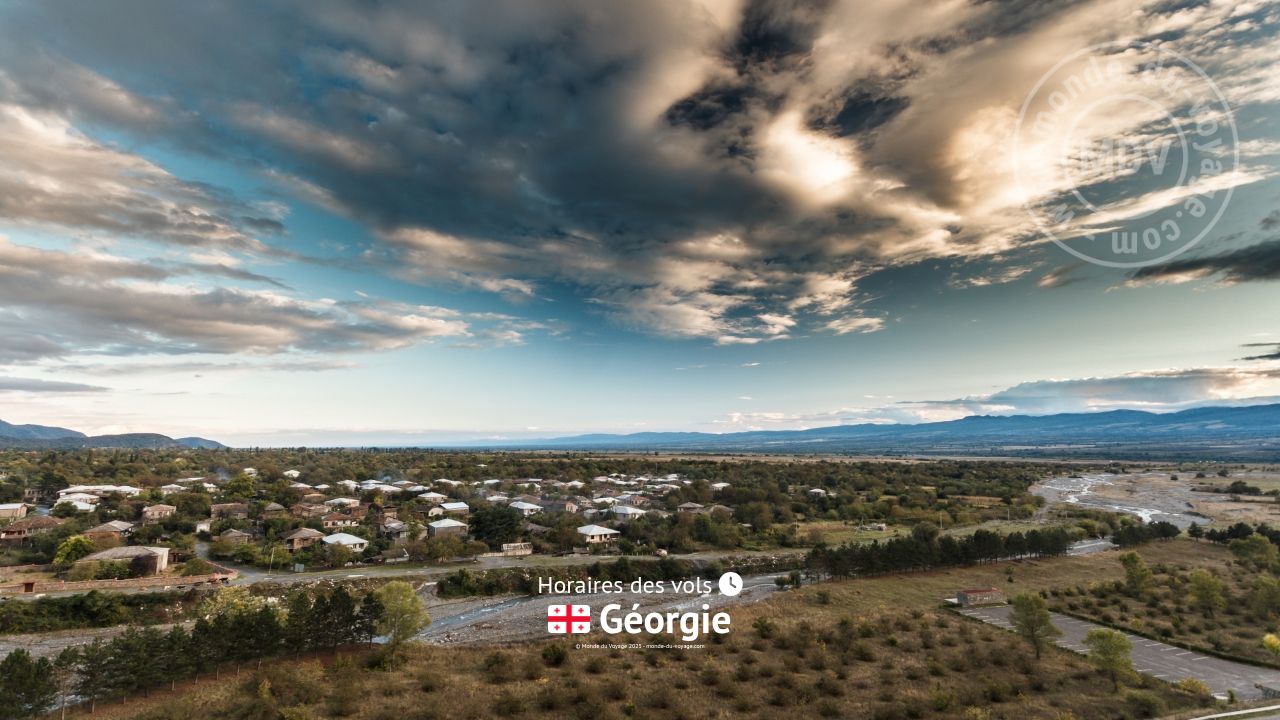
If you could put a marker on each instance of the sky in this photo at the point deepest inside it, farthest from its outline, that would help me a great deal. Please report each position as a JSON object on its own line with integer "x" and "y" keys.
{"x": 376, "y": 223}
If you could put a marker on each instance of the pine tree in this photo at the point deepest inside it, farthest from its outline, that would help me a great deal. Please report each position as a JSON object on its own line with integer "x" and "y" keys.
{"x": 27, "y": 686}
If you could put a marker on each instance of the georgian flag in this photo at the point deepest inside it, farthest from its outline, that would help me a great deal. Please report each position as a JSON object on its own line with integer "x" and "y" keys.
{"x": 564, "y": 619}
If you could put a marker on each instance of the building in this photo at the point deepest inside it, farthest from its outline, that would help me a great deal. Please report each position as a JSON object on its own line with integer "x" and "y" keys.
{"x": 154, "y": 513}
{"x": 100, "y": 490}
{"x": 145, "y": 560}
{"x": 307, "y": 511}
{"x": 116, "y": 530}
{"x": 455, "y": 508}
{"x": 231, "y": 536}
{"x": 561, "y": 506}
{"x": 447, "y": 526}
{"x": 526, "y": 508}
{"x": 21, "y": 530}
{"x": 171, "y": 488}
{"x": 274, "y": 510}
{"x": 595, "y": 534}
{"x": 337, "y": 520}
{"x": 689, "y": 507}
{"x": 13, "y": 511}
{"x": 355, "y": 544}
{"x": 980, "y": 596}
{"x": 626, "y": 513}
{"x": 230, "y": 510}
{"x": 302, "y": 538}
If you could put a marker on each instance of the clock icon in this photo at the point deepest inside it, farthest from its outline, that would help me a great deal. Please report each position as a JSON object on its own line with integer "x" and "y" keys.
{"x": 730, "y": 584}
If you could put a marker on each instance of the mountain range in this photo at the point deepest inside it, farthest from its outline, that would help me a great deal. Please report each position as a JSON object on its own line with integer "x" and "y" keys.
{"x": 40, "y": 437}
{"x": 1210, "y": 433}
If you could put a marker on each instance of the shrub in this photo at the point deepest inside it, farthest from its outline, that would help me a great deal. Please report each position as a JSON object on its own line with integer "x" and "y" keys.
{"x": 554, "y": 655}
{"x": 1145, "y": 703}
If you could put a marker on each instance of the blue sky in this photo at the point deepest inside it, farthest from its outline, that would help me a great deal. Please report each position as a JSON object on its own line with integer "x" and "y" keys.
{"x": 339, "y": 223}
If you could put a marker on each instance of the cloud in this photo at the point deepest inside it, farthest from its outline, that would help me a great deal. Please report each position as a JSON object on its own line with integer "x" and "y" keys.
{"x": 33, "y": 385}
{"x": 1252, "y": 263}
{"x": 59, "y": 303}
{"x": 1156, "y": 391}
{"x": 696, "y": 169}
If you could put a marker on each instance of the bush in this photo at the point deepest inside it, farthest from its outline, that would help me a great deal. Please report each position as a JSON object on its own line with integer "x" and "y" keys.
{"x": 765, "y": 627}
{"x": 1145, "y": 703}
{"x": 554, "y": 655}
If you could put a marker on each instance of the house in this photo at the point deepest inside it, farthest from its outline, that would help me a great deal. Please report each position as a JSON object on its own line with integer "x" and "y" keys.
{"x": 171, "y": 488}
{"x": 626, "y": 513}
{"x": 13, "y": 511}
{"x": 596, "y": 534}
{"x": 394, "y": 530}
{"x": 355, "y": 544}
{"x": 20, "y": 530}
{"x": 455, "y": 508}
{"x": 717, "y": 487}
{"x": 980, "y": 596}
{"x": 561, "y": 506}
{"x": 229, "y": 510}
{"x": 817, "y": 492}
{"x": 338, "y": 520}
{"x": 526, "y": 508}
{"x": 688, "y": 507}
{"x": 115, "y": 530}
{"x": 234, "y": 537}
{"x": 101, "y": 490}
{"x": 292, "y": 474}
{"x": 342, "y": 502}
{"x": 154, "y": 513}
{"x": 274, "y": 510}
{"x": 306, "y": 511}
{"x": 447, "y": 526}
{"x": 301, "y": 538}
{"x": 434, "y": 498}
{"x": 80, "y": 498}
{"x": 146, "y": 560}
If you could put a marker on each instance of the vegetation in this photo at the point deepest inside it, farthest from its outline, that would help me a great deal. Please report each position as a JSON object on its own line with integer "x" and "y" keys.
{"x": 1032, "y": 622}
{"x": 1109, "y": 651}
{"x": 1217, "y": 603}
{"x": 95, "y": 609}
{"x": 924, "y": 551}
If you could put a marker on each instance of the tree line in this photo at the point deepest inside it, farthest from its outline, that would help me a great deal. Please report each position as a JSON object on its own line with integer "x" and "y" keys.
{"x": 924, "y": 549}
{"x": 234, "y": 627}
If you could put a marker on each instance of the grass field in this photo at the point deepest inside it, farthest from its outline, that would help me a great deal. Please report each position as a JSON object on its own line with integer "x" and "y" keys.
{"x": 875, "y": 648}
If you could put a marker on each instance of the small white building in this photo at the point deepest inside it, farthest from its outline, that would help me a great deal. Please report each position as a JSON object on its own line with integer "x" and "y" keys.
{"x": 526, "y": 508}
{"x": 356, "y": 544}
{"x": 596, "y": 534}
{"x": 626, "y": 513}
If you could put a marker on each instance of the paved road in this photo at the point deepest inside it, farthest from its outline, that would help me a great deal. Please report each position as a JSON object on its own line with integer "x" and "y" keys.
{"x": 1089, "y": 547}
{"x": 1167, "y": 662}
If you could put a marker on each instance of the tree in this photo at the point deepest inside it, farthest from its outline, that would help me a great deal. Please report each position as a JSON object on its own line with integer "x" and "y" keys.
{"x": 1032, "y": 621}
{"x": 403, "y": 614}
{"x": 495, "y": 525}
{"x": 92, "y": 679}
{"x": 1109, "y": 652}
{"x": 1255, "y": 552}
{"x": 28, "y": 686}
{"x": 1195, "y": 531}
{"x": 72, "y": 549}
{"x": 1206, "y": 591}
{"x": 368, "y": 619}
{"x": 1137, "y": 576}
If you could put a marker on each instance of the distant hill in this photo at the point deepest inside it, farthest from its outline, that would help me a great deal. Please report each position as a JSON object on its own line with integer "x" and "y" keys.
{"x": 42, "y": 437}
{"x": 36, "y": 432}
{"x": 1236, "y": 433}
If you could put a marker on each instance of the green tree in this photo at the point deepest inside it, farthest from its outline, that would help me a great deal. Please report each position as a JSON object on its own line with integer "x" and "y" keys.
{"x": 1255, "y": 551}
{"x": 1109, "y": 651}
{"x": 1206, "y": 591}
{"x": 495, "y": 525}
{"x": 368, "y": 618}
{"x": 93, "y": 681}
{"x": 72, "y": 549}
{"x": 403, "y": 614}
{"x": 28, "y": 686}
{"x": 1032, "y": 621}
{"x": 1137, "y": 576}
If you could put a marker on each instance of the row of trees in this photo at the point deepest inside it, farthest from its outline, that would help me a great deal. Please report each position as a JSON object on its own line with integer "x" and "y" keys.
{"x": 234, "y": 627}
{"x": 925, "y": 550}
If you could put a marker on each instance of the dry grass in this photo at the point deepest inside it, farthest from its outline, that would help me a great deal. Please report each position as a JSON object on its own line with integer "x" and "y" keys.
{"x": 874, "y": 648}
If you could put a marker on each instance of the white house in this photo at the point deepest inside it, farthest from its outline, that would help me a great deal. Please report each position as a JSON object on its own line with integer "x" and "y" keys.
{"x": 625, "y": 513}
{"x": 171, "y": 488}
{"x": 595, "y": 534}
{"x": 455, "y": 508}
{"x": 342, "y": 502}
{"x": 292, "y": 474}
{"x": 526, "y": 509}
{"x": 356, "y": 544}
{"x": 434, "y": 498}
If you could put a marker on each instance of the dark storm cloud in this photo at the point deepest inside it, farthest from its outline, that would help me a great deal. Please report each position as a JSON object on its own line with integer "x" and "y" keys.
{"x": 1248, "y": 264}
{"x": 699, "y": 169}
